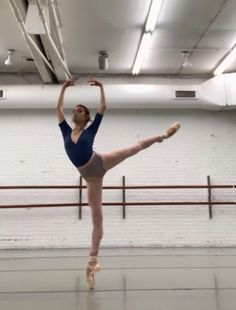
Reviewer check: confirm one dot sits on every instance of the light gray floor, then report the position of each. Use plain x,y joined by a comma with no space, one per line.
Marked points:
143,278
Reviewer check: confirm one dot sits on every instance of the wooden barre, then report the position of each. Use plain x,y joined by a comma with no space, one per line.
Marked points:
117,187
124,203
145,203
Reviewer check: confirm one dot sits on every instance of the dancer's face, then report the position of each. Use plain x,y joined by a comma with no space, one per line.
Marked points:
80,115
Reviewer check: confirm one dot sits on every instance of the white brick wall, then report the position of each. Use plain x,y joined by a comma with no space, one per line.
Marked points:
32,152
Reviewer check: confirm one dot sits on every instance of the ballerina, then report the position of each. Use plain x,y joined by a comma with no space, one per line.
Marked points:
92,166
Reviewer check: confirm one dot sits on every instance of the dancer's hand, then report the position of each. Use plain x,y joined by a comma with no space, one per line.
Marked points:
69,82
93,82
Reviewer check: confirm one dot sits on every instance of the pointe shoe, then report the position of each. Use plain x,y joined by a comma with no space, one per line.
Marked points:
92,267
171,131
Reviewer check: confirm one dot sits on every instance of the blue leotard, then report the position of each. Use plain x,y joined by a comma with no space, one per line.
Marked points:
80,152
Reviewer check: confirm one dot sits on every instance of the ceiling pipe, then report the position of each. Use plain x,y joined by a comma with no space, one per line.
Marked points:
41,14
28,39
215,94
54,9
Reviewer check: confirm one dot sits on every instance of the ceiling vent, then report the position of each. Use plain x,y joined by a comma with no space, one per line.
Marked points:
2,94
185,94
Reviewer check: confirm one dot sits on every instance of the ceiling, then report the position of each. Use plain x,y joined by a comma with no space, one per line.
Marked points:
205,28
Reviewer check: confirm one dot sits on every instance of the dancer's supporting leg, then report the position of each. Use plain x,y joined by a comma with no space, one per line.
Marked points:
112,159
94,193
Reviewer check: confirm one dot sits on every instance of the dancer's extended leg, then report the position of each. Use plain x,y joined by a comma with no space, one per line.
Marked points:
112,159
94,192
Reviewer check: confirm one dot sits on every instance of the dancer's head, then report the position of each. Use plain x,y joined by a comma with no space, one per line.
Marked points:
80,115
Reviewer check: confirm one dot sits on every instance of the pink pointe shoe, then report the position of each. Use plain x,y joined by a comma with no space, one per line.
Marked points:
171,131
92,267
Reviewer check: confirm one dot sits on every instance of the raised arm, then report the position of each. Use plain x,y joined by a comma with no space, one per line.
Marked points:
60,101
102,107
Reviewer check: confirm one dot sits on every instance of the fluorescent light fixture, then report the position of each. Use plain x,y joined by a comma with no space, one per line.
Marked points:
141,52
226,62
153,15
152,19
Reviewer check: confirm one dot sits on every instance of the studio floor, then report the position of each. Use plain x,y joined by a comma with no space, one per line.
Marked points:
137,279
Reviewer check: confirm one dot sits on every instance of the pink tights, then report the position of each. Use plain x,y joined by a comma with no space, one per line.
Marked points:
94,187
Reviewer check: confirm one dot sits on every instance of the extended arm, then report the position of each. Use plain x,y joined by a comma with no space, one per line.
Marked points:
60,101
102,107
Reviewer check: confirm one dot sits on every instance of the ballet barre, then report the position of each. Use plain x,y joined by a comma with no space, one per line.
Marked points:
209,202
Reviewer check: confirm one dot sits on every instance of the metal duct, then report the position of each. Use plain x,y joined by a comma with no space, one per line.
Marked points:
215,94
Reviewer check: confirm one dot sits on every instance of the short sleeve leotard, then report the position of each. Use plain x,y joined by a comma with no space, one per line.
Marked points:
79,153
